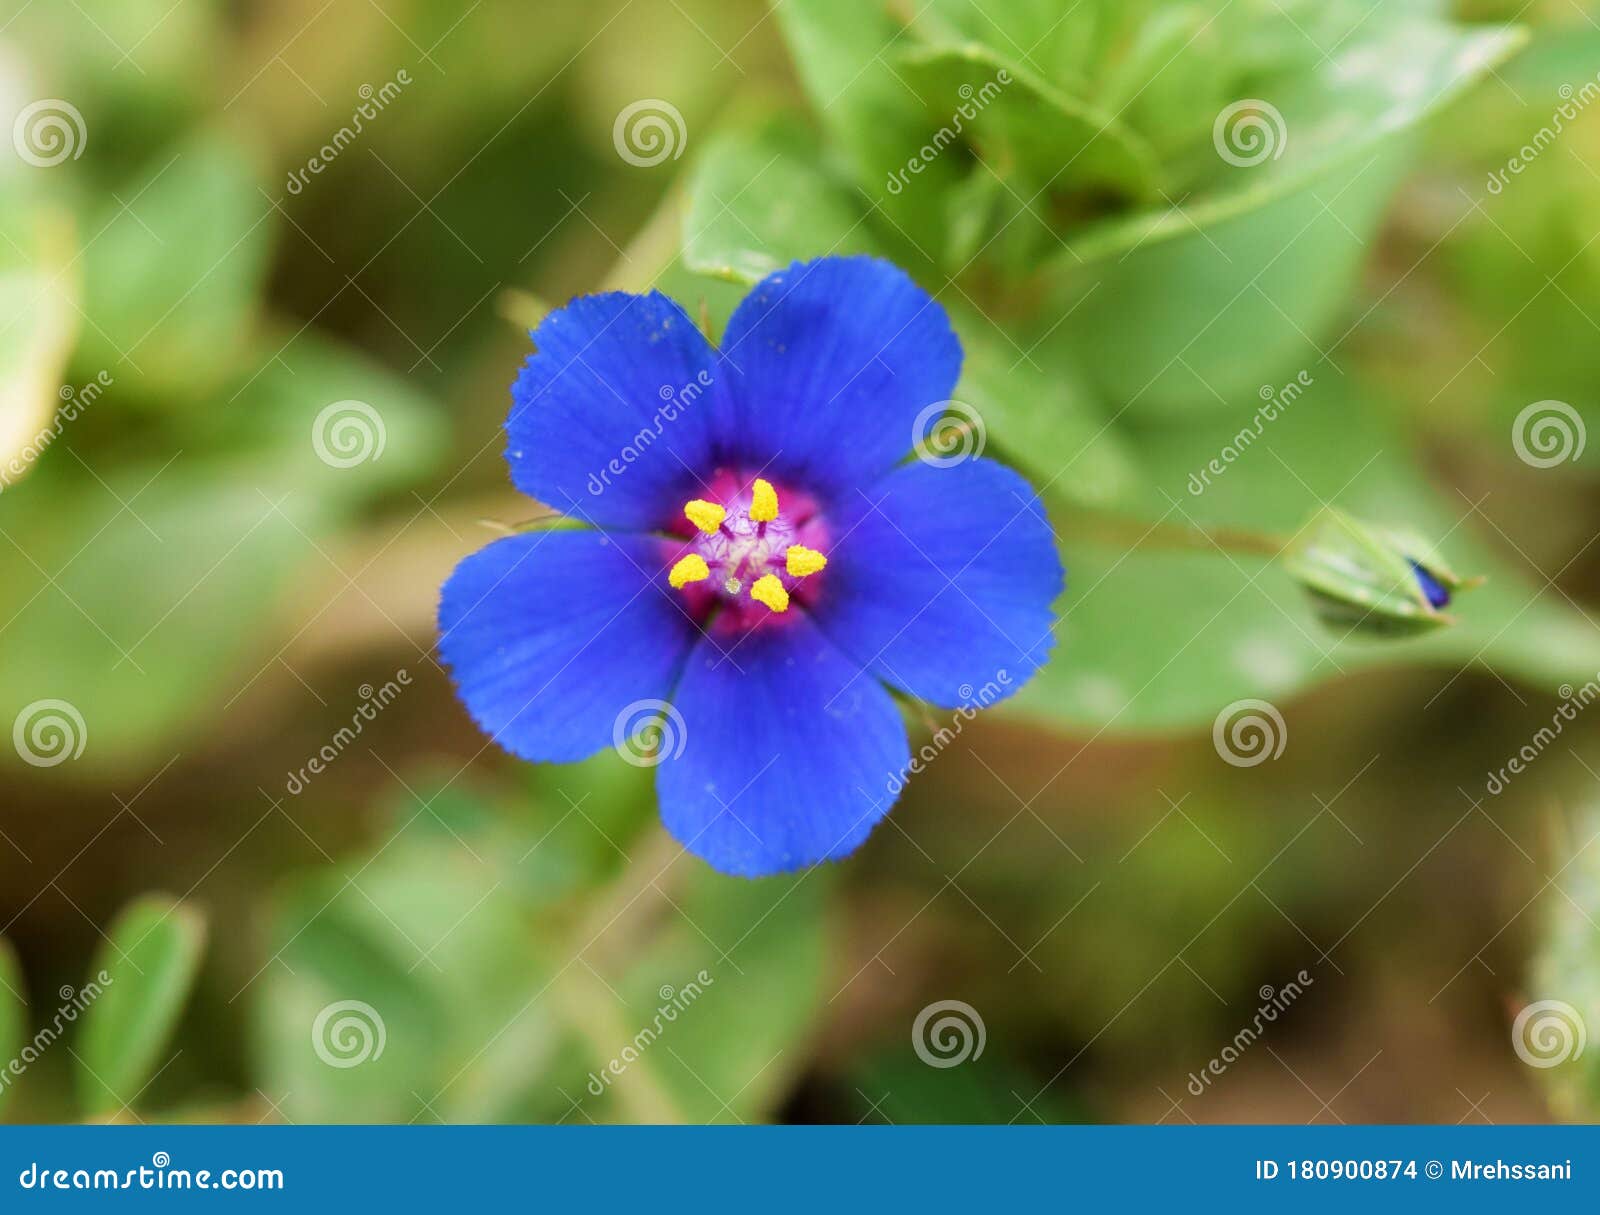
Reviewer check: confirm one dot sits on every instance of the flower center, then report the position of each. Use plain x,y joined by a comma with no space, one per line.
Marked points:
747,550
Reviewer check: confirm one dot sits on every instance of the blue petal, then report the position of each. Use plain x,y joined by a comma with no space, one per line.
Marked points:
941,579
838,357
791,752
550,635
1432,588
611,421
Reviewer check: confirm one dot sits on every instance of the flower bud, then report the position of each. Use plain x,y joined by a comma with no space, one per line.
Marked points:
1377,580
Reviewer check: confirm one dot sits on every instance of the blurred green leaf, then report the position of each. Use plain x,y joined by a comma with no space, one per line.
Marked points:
838,48
145,970
759,199
1555,1027
13,1016
174,265
1015,118
1037,410
757,951
894,1086
40,299
1337,115
409,986
137,655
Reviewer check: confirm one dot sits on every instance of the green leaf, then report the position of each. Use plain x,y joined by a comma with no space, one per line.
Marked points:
1040,415
841,49
754,955
1015,117
1555,1026
39,298
228,521
172,279
139,656
13,1015
144,972
1336,116
895,1086
360,1016
759,199
1200,301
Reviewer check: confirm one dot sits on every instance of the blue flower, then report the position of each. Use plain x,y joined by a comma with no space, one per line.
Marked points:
756,553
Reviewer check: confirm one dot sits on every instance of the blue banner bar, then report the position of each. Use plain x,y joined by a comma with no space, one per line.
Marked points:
807,1169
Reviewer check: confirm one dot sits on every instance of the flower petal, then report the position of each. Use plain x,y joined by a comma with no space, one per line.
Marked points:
790,756
941,581
837,358
611,420
550,635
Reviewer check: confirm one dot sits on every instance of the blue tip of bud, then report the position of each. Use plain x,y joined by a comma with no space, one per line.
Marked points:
1437,595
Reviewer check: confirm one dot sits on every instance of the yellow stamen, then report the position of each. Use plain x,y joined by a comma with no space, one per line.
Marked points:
707,516
769,590
800,561
688,569
763,501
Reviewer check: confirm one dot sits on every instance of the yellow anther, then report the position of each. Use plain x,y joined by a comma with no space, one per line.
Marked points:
707,516
800,561
763,501
688,569
769,590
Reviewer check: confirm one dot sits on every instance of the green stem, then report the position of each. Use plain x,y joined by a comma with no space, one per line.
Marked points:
1134,534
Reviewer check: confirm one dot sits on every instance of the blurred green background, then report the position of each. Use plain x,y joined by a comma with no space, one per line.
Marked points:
212,561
